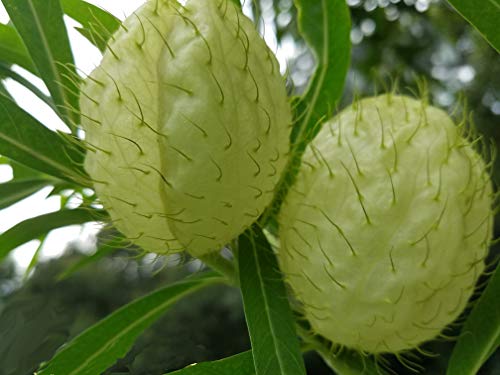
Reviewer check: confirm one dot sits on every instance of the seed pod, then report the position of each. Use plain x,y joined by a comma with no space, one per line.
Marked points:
384,233
188,121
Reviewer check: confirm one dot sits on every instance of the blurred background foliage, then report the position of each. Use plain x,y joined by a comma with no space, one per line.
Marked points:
392,40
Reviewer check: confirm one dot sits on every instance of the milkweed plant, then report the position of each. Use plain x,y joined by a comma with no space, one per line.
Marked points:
359,232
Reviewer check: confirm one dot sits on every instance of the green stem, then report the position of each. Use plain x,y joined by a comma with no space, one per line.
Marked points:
220,264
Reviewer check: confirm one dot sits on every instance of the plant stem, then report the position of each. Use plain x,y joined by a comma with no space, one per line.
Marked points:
220,264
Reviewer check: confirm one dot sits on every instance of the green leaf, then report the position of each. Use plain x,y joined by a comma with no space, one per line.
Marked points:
97,24
326,27
3,90
25,140
480,335
101,345
484,15
22,172
13,191
269,318
102,251
240,364
13,50
36,227
34,258
41,26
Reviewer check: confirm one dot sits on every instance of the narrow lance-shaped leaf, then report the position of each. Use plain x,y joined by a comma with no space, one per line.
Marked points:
41,26
326,27
13,50
36,255
239,364
269,317
97,24
13,191
480,336
22,172
484,15
34,228
27,141
97,348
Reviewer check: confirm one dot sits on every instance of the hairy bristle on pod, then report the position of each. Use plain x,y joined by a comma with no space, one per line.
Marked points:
188,123
384,233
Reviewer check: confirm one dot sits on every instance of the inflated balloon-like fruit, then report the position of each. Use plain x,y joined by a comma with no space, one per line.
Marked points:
384,233
188,122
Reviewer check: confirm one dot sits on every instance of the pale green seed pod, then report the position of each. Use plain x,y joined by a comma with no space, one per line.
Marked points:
384,233
189,121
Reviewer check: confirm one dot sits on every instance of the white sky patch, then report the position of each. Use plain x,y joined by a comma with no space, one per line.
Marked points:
35,205
4,18
55,243
23,254
34,105
83,236
5,173
86,55
119,8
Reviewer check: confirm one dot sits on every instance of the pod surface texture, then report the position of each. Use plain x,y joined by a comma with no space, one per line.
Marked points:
189,123
384,233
